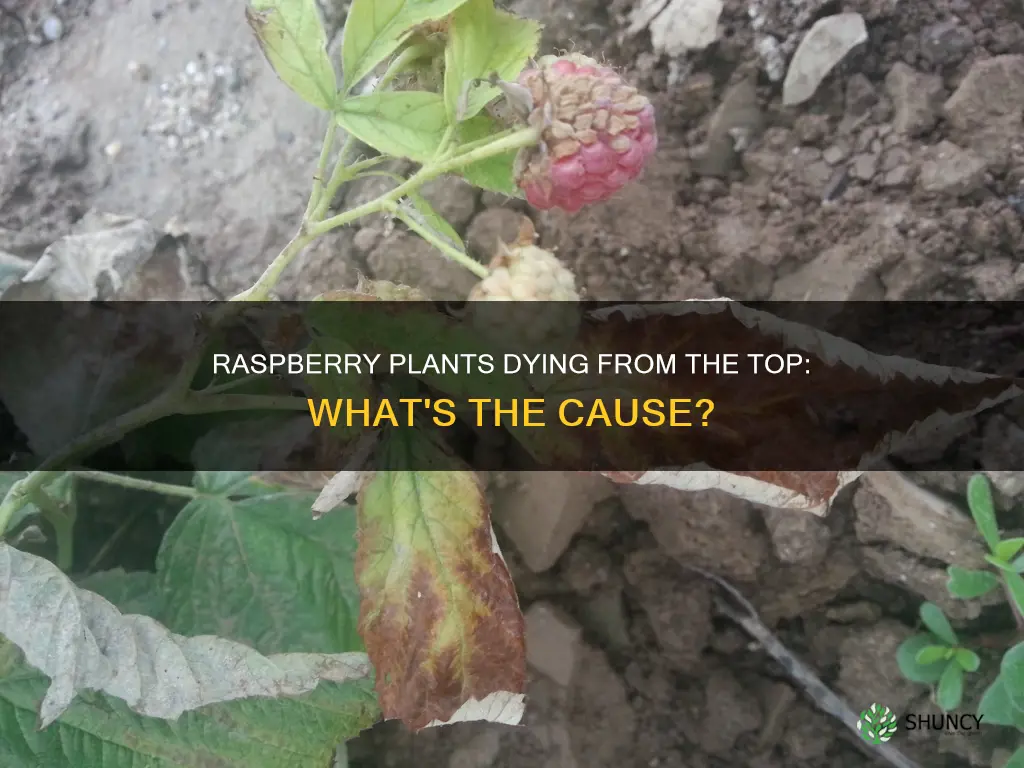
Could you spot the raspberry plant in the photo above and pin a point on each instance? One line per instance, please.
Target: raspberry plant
(937, 656)
(267, 636)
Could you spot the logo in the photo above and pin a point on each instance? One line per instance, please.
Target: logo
(877, 724)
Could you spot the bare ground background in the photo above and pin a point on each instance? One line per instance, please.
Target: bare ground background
(903, 178)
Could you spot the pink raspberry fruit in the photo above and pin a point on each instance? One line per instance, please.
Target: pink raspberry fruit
(597, 133)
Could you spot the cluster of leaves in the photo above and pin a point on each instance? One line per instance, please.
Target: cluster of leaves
(243, 561)
(443, 51)
(936, 657)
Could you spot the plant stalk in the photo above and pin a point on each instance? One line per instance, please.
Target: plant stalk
(262, 288)
(137, 483)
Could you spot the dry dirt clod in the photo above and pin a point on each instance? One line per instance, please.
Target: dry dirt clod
(707, 529)
(985, 110)
(868, 670)
(543, 511)
(731, 711)
(950, 170)
(892, 509)
(490, 227)
(552, 642)
(678, 608)
(407, 259)
(738, 113)
(796, 538)
(916, 99)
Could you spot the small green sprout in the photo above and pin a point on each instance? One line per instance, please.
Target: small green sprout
(936, 658)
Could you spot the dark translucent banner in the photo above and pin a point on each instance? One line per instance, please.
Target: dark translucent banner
(613, 387)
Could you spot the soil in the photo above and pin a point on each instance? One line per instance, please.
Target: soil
(902, 178)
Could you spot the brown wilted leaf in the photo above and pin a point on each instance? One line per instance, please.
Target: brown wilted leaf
(439, 613)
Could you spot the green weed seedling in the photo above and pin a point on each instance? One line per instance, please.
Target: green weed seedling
(937, 658)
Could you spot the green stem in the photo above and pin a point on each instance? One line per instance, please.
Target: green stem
(402, 62)
(524, 137)
(446, 248)
(137, 483)
(342, 173)
(262, 288)
(321, 168)
(62, 518)
(170, 403)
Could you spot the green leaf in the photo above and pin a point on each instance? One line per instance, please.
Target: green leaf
(375, 28)
(1007, 549)
(1011, 670)
(438, 601)
(983, 509)
(995, 705)
(1000, 564)
(100, 730)
(483, 41)
(261, 571)
(931, 654)
(1016, 759)
(219, 483)
(951, 687)
(967, 584)
(497, 173)
(1018, 564)
(425, 215)
(397, 123)
(292, 37)
(1015, 586)
(130, 592)
(906, 658)
(967, 659)
(937, 623)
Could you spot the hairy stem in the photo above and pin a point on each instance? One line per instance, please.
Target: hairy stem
(522, 138)
(446, 248)
(263, 287)
(321, 169)
(137, 483)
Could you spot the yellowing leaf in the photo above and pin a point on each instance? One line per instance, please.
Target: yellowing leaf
(483, 41)
(399, 123)
(439, 615)
(294, 42)
(375, 28)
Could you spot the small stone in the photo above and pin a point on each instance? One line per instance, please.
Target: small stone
(835, 154)
(366, 238)
(946, 42)
(586, 567)
(797, 537)
(739, 110)
(112, 150)
(901, 176)
(552, 642)
(916, 99)
(864, 166)
(488, 228)
(52, 28)
(566, 497)
(952, 171)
